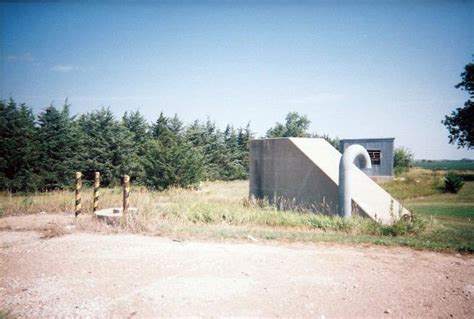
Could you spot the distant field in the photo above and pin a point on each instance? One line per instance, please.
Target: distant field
(446, 165)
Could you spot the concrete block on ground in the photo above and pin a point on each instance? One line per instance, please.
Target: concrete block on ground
(113, 215)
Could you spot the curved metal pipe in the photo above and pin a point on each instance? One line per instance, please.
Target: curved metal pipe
(345, 167)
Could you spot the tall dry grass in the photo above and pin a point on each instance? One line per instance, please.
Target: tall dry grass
(222, 210)
(215, 203)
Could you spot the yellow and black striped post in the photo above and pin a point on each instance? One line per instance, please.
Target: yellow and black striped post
(126, 192)
(78, 193)
(95, 204)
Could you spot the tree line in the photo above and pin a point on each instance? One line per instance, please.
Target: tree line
(42, 152)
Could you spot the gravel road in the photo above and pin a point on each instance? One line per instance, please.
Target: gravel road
(133, 276)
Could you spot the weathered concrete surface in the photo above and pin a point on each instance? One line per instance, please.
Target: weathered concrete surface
(279, 170)
(305, 173)
(112, 216)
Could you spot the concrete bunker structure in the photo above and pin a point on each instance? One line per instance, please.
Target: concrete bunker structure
(304, 172)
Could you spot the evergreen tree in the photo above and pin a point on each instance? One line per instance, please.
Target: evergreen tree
(165, 154)
(213, 151)
(18, 148)
(232, 164)
(105, 147)
(225, 153)
(58, 147)
(138, 126)
(169, 163)
(139, 129)
(160, 129)
(195, 134)
(245, 135)
(175, 125)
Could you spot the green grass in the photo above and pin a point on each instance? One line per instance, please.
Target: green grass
(224, 232)
(452, 215)
(463, 213)
(446, 165)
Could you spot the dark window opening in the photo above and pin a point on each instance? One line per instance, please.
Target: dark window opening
(375, 156)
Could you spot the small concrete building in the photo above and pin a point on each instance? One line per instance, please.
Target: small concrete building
(381, 155)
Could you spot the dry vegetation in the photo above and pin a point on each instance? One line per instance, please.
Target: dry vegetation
(6, 314)
(215, 203)
(52, 231)
(222, 210)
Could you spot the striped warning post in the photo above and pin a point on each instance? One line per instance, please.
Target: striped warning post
(78, 193)
(126, 193)
(95, 204)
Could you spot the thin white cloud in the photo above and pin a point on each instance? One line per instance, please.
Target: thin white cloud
(25, 58)
(64, 68)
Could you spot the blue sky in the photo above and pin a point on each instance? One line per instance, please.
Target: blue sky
(356, 69)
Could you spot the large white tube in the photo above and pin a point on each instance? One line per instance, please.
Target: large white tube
(345, 167)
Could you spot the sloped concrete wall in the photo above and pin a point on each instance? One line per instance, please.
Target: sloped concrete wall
(304, 172)
(284, 175)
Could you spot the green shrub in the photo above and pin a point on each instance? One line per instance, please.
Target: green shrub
(466, 248)
(453, 182)
(324, 222)
(405, 226)
(402, 160)
(168, 163)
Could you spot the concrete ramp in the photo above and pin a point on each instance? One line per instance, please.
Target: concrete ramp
(304, 172)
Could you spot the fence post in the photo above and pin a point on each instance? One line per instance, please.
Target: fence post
(126, 190)
(78, 193)
(96, 191)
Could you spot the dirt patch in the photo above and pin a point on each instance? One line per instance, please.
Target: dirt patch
(37, 222)
(93, 275)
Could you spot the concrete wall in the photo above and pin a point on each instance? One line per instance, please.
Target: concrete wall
(385, 145)
(282, 174)
(304, 172)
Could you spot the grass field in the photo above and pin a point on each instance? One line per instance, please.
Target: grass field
(416, 183)
(221, 210)
(451, 215)
(446, 165)
(455, 212)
